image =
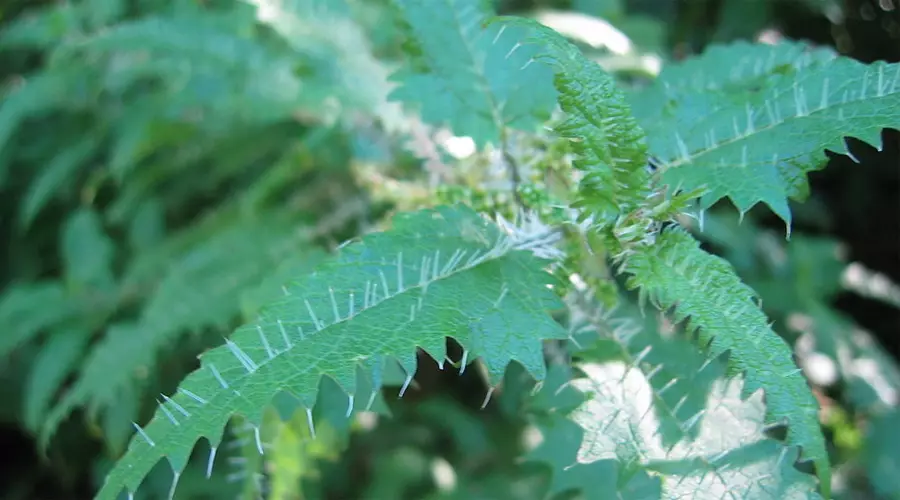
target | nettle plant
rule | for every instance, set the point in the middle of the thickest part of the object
(555, 265)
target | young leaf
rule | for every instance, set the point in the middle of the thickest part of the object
(477, 81)
(704, 288)
(610, 145)
(437, 273)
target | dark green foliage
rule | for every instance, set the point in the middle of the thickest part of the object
(296, 249)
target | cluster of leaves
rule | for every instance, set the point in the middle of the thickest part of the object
(204, 154)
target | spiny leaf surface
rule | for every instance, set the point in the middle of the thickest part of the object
(477, 81)
(756, 142)
(437, 273)
(611, 147)
(704, 288)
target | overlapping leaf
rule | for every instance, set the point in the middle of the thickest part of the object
(476, 80)
(436, 273)
(705, 290)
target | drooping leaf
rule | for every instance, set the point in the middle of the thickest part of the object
(436, 274)
(56, 360)
(705, 291)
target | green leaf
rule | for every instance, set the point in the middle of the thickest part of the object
(106, 377)
(28, 309)
(436, 274)
(57, 173)
(705, 290)
(610, 145)
(477, 81)
(756, 142)
(880, 453)
(87, 251)
(55, 361)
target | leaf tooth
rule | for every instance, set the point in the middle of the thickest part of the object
(192, 395)
(210, 461)
(349, 405)
(412, 312)
(175, 405)
(300, 330)
(175, 477)
(409, 378)
(823, 102)
(464, 362)
(143, 434)
(371, 399)
(487, 397)
(265, 341)
(309, 423)
(218, 376)
(284, 336)
(351, 305)
(366, 295)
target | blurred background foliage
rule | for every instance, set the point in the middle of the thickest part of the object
(165, 166)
